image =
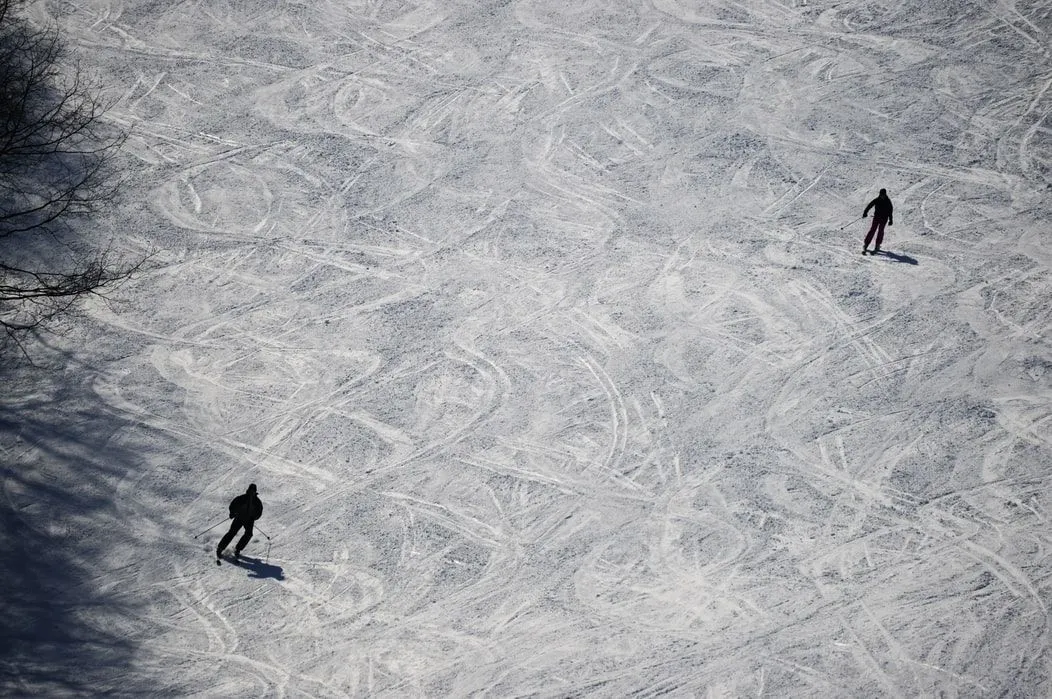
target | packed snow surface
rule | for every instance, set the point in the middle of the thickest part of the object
(543, 330)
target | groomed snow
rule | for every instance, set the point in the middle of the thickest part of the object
(543, 329)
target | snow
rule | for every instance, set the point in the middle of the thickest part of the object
(543, 329)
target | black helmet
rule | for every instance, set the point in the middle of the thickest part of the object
(251, 488)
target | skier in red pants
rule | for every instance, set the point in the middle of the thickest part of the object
(245, 509)
(883, 213)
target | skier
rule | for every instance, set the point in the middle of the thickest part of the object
(882, 213)
(245, 509)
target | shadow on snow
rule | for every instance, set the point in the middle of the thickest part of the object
(64, 601)
(897, 257)
(257, 568)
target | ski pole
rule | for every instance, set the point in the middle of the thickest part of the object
(848, 224)
(263, 533)
(210, 528)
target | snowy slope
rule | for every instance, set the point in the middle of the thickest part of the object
(543, 330)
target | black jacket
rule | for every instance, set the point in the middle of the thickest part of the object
(882, 208)
(246, 508)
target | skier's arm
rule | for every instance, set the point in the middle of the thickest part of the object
(869, 206)
(891, 214)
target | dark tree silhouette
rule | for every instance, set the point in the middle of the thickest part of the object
(57, 167)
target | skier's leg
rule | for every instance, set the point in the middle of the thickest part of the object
(880, 234)
(245, 538)
(228, 537)
(869, 236)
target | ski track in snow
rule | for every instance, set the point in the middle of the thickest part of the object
(535, 325)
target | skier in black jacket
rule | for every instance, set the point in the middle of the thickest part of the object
(882, 213)
(245, 509)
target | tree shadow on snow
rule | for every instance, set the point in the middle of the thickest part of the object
(259, 569)
(69, 624)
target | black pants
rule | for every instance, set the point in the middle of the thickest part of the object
(878, 228)
(229, 536)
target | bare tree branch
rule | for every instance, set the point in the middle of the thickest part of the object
(57, 168)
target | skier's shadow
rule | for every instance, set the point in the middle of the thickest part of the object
(259, 569)
(898, 258)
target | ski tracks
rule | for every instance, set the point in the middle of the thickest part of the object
(511, 316)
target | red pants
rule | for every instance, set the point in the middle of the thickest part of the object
(878, 228)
